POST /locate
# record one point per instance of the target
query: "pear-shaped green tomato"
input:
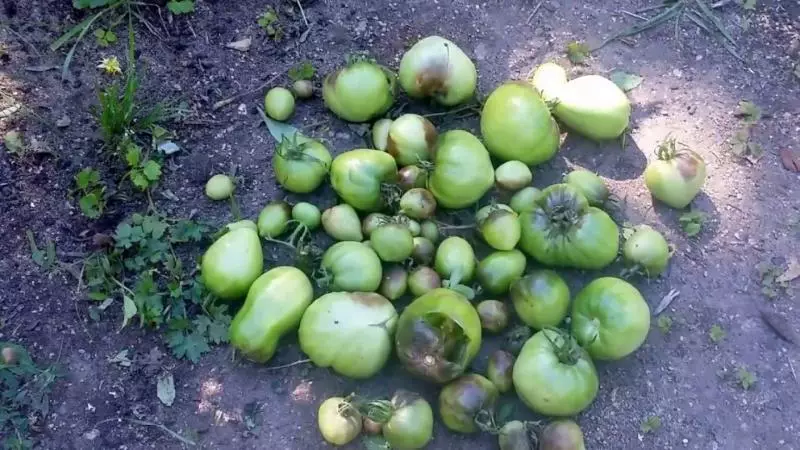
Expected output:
(341, 223)
(360, 91)
(435, 67)
(274, 219)
(412, 139)
(357, 176)
(594, 107)
(455, 260)
(548, 79)
(232, 263)
(516, 125)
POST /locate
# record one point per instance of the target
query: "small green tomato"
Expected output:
(219, 187)
(303, 88)
(307, 214)
(279, 103)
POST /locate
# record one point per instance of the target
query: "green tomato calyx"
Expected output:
(564, 346)
(434, 347)
(563, 205)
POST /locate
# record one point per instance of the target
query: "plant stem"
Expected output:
(164, 429)
(278, 241)
(291, 364)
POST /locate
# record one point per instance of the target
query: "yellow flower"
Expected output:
(110, 65)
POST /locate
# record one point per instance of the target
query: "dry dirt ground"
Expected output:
(691, 89)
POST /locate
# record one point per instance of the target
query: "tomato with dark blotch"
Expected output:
(676, 176)
(359, 176)
(463, 399)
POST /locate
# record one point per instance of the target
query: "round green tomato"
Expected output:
(392, 242)
(357, 176)
(232, 263)
(610, 318)
(279, 103)
(301, 164)
(541, 299)
(462, 400)
(360, 91)
(274, 219)
(516, 125)
(462, 171)
(554, 376)
(430, 231)
(590, 185)
(338, 422)
(352, 266)
(350, 332)
(513, 175)
(523, 201)
(455, 260)
(677, 176)
(646, 250)
(219, 187)
(307, 214)
(499, 270)
(423, 280)
(499, 226)
(411, 424)
(303, 88)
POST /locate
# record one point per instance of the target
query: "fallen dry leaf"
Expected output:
(792, 272)
(780, 326)
(665, 302)
(242, 45)
(790, 160)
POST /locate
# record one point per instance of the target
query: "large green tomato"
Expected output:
(438, 335)
(677, 176)
(541, 299)
(610, 318)
(516, 125)
(554, 376)
(499, 270)
(232, 263)
(455, 260)
(301, 164)
(357, 176)
(351, 266)
(360, 91)
(563, 230)
(436, 67)
(462, 171)
(350, 332)
(274, 306)
(594, 107)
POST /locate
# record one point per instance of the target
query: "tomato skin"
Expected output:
(359, 92)
(301, 166)
(232, 263)
(562, 230)
(338, 330)
(498, 271)
(338, 429)
(462, 171)
(411, 424)
(352, 267)
(357, 176)
(610, 318)
(512, 175)
(455, 260)
(392, 242)
(499, 226)
(430, 327)
(541, 299)
(550, 385)
(594, 107)
(524, 200)
(677, 176)
(516, 125)
(436, 67)
(412, 138)
(647, 250)
(274, 306)
(590, 185)
(461, 400)
(274, 219)
(219, 187)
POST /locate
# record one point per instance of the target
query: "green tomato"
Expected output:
(341, 223)
(512, 175)
(350, 332)
(438, 335)
(455, 260)
(232, 263)
(516, 125)
(548, 80)
(462, 171)
(436, 67)
(594, 107)
(360, 91)
(301, 164)
(430, 231)
(380, 133)
(562, 435)
(372, 222)
(590, 185)
(424, 250)
(498, 271)
(499, 370)
(564, 231)
(541, 299)
(358, 175)
(554, 376)
(219, 187)
(303, 88)
(411, 424)
(395, 283)
(523, 200)
(241, 224)
(274, 219)
(423, 280)
(392, 242)
(646, 250)
(677, 176)
(493, 315)
(499, 226)
(418, 203)
(279, 103)
(462, 400)
(307, 214)
(339, 422)
(410, 177)
(518, 435)
(351, 266)
(412, 138)
(610, 318)
(274, 306)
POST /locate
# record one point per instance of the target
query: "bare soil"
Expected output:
(691, 90)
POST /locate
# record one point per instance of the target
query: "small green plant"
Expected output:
(179, 7)
(771, 283)
(650, 424)
(745, 378)
(303, 71)
(716, 334)
(578, 52)
(270, 23)
(24, 396)
(91, 190)
(664, 323)
(741, 143)
(144, 172)
(14, 144)
(143, 269)
(46, 259)
(691, 222)
(105, 37)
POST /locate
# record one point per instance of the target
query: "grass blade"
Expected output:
(656, 20)
(66, 37)
(711, 17)
(71, 53)
(707, 14)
